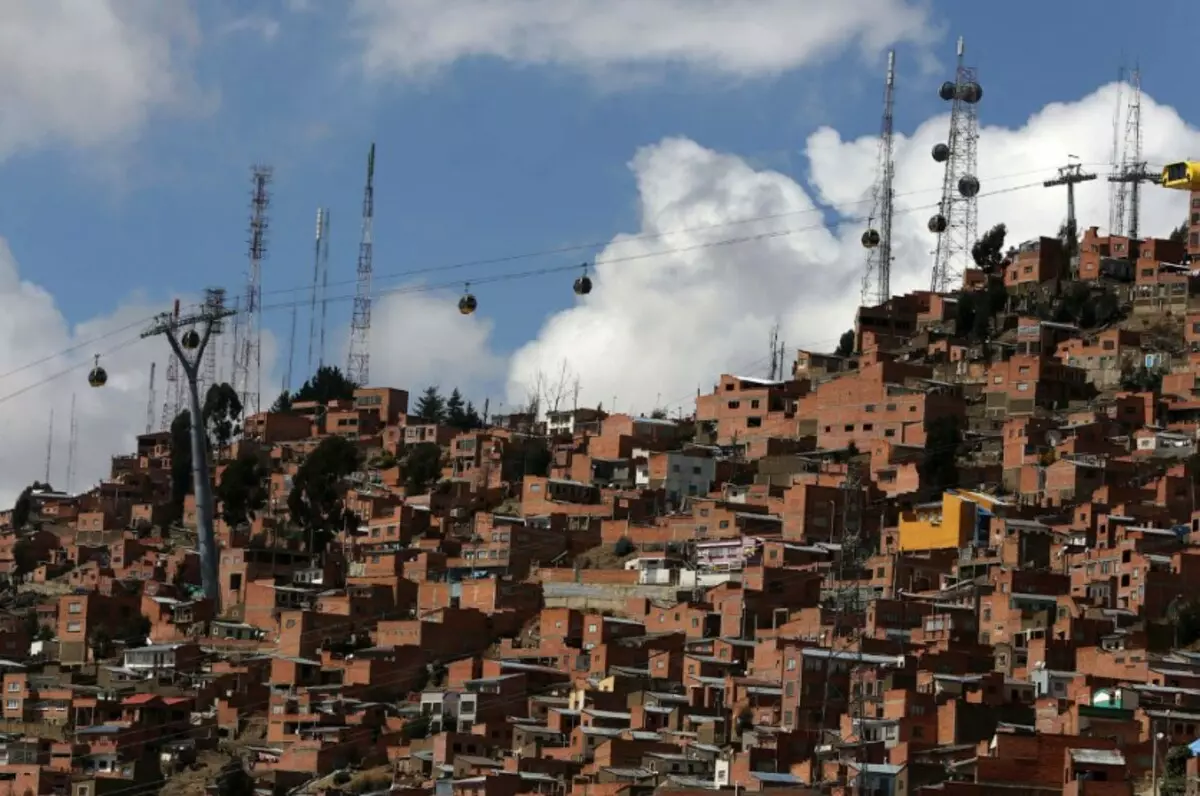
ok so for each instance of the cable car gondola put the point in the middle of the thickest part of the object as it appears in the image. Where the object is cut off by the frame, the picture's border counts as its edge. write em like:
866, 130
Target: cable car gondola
467, 304
583, 285
870, 238
98, 376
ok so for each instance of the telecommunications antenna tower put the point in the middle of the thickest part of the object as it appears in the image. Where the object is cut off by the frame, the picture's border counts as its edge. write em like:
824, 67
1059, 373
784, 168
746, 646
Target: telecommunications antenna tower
320, 259
1132, 171
247, 360
358, 366
956, 221
876, 286
214, 298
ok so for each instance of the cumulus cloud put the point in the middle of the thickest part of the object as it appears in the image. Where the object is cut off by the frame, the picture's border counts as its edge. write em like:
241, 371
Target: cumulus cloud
419, 339
735, 37
92, 73
671, 309
44, 361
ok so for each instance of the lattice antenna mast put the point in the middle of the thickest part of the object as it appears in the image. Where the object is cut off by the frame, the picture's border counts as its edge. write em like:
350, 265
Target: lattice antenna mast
316, 284
150, 400
877, 281
49, 445
247, 360
1117, 189
1133, 169
72, 448
956, 221
324, 287
214, 297
358, 366
170, 407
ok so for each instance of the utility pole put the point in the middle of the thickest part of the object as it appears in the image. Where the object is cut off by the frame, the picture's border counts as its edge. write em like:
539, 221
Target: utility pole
209, 319
1070, 175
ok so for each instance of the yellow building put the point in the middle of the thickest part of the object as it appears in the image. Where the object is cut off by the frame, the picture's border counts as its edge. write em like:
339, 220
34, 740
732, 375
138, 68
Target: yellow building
952, 525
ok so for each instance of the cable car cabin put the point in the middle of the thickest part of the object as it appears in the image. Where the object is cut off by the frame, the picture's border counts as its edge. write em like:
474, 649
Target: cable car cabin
1182, 176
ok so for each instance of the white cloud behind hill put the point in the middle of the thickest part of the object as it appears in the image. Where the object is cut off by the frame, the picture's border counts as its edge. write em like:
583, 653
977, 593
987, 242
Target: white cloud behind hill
655, 330
656, 327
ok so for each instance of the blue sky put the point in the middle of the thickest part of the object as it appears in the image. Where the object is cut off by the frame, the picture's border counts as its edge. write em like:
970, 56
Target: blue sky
514, 128
484, 159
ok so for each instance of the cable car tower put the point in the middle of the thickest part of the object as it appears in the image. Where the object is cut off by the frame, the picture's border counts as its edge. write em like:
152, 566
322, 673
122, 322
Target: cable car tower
957, 218
876, 285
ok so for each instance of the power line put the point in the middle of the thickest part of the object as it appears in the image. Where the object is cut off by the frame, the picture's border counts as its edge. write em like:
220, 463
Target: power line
415, 289
91, 341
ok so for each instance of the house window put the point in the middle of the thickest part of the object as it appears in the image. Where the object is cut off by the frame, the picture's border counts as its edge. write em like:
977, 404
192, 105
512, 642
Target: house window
14, 685
74, 627
74, 608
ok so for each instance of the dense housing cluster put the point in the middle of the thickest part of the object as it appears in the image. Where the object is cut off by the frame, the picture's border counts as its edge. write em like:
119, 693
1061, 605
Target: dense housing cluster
952, 557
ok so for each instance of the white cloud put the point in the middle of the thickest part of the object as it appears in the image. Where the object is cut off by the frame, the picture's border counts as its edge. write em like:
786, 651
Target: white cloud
419, 339
52, 360
736, 37
266, 28
89, 73
656, 328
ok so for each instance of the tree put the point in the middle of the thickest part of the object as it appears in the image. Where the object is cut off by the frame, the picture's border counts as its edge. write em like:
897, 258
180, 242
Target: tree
431, 406
964, 317
23, 556
181, 462
939, 469
283, 403
243, 490
988, 251
473, 419
658, 414
422, 467
624, 546
222, 412
327, 384
1180, 233
315, 501
456, 411
22, 508
845, 345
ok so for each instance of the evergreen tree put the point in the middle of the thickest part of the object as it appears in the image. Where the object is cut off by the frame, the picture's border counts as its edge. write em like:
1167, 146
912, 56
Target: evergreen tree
181, 462
1180, 233
456, 413
846, 344
473, 419
222, 413
422, 467
315, 501
988, 251
22, 508
283, 403
327, 384
242, 491
431, 406
939, 469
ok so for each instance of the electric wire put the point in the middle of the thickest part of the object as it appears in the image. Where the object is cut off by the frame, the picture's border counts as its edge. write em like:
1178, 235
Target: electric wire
498, 278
